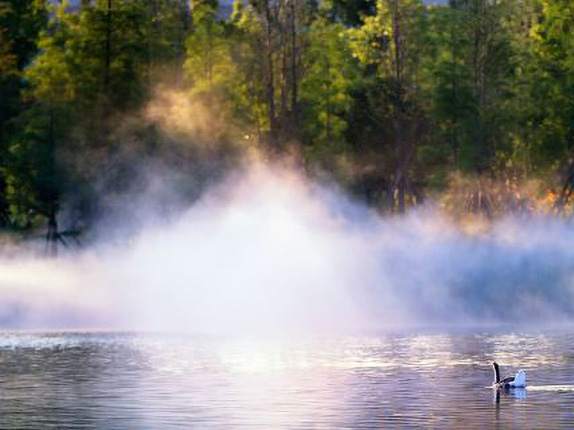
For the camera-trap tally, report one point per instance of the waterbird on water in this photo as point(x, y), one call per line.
point(518, 381)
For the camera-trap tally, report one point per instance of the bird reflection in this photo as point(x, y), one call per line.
point(517, 393)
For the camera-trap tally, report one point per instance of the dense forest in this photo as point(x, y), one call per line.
point(470, 103)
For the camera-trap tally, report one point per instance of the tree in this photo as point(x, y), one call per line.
point(387, 45)
point(553, 92)
point(330, 74)
point(20, 24)
point(93, 69)
point(277, 31)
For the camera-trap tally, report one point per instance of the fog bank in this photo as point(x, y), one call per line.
point(269, 251)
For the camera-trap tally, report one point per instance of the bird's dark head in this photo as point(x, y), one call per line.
point(496, 372)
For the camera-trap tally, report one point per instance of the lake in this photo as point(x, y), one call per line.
point(104, 380)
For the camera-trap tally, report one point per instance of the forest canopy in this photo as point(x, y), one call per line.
point(469, 102)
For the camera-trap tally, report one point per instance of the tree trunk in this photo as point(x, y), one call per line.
point(294, 70)
point(52, 235)
point(108, 51)
point(478, 58)
point(399, 120)
point(454, 121)
point(269, 75)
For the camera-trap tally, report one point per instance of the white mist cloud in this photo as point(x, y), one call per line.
point(263, 255)
point(267, 251)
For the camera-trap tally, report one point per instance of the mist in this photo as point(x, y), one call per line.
point(269, 251)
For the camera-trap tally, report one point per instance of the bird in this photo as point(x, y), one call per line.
point(518, 381)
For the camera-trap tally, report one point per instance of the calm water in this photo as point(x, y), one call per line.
point(104, 380)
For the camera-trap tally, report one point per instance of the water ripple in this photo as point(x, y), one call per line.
point(121, 380)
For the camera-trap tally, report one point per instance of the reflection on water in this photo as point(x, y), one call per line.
point(107, 380)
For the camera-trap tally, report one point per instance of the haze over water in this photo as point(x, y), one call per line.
point(270, 252)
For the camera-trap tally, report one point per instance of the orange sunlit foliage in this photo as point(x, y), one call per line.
point(479, 200)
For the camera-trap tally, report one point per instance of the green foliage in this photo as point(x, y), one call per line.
point(554, 87)
point(209, 63)
point(399, 92)
point(34, 183)
point(330, 75)
point(20, 24)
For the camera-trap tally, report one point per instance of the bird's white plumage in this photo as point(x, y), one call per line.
point(519, 380)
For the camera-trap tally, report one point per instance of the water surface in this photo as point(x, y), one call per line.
point(119, 380)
